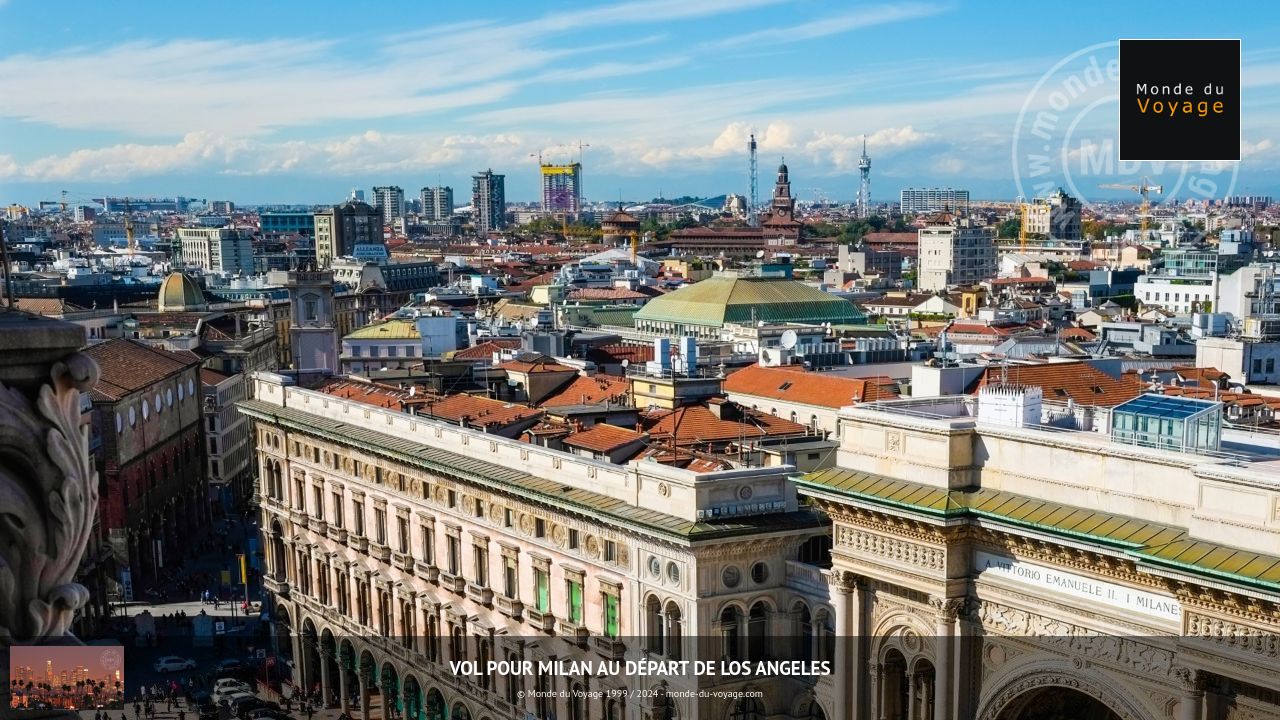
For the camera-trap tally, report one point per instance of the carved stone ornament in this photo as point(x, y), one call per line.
point(48, 484)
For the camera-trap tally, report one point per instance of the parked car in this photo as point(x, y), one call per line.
point(173, 663)
point(230, 695)
point(229, 682)
point(241, 708)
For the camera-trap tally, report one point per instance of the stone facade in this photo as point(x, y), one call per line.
point(960, 606)
point(396, 544)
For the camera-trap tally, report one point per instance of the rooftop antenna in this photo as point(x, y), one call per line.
point(754, 202)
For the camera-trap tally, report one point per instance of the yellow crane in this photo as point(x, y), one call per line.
point(1144, 211)
point(1022, 227)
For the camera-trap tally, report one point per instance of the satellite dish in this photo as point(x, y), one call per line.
point(626, 363)
point(759, 253)
point(789, 339)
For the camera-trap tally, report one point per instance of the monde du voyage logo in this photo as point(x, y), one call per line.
point(1180, 100)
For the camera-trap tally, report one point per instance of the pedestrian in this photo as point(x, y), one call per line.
point(311, 711)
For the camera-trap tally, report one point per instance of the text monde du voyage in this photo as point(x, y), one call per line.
point(1180, 99)
point(664, 668)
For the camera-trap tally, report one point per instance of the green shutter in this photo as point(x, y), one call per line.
point(611, 615)
point(575, 603)
point(544, 592)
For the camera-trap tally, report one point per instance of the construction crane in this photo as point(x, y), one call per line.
point(1144, 211)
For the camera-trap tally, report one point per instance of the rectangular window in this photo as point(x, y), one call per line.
point(611, 615)
point(1257, 365)
point(1271, 365)
point(402, 526)
point(453, 499)
point(539, 528)
point(479, 508)
point(573, 539)
point(455, 555)
point(542, 579)
point(428, 545)
point(481, 565)
point(380, 525)
point(337, 510)
point(511, 577)
point(573, 589)
point(317, 493)
point(357, 517)
point(610, 551)
point(507, 519)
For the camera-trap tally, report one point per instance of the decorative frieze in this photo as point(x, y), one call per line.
point(891, 548)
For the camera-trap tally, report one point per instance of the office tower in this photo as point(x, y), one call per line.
point(562, 188)
point(489, 201)
point(956, 251)
point(340, 229)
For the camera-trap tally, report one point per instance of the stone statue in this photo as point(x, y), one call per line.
point(48, 484)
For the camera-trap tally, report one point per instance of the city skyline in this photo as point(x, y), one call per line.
point(279, 107)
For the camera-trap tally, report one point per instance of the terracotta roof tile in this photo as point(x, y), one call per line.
point(543, 364)
point(698, 425)
point(604, 438)
point(486, 349)
point(478, 412)
point(128, 366)
point(365, 392)
point(808, 388)
point(583, 390)
point(1078, 381)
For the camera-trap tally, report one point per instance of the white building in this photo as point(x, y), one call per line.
point(391, 344)
point(925, 200)
point(956, 251)
point(218, 249)
point(389, 200)
point(437, 203)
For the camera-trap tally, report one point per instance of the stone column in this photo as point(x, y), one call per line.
point(42, 375)
point(841, 589)
point(946, 609)
point(877, 690)
point(913, 696)
point(344, 692)
point(299, 657)
point(1191, 704)
point(364, 694)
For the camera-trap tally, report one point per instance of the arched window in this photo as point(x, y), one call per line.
point(655, 622)
point(826, 631)
point(746, 709)
point(731, 633)
point(675, 631)
point(664, 708)
point(577, 709)
point(460, 712)
point(794, 417)
point(758, 631)
point(802, 631)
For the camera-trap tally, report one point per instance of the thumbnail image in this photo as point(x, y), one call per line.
point(70, 678)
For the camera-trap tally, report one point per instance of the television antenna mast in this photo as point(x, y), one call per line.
point(753, 203)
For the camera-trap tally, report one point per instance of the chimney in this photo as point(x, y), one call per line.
point(1010, 405)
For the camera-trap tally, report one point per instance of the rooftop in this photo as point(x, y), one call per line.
point(730, 298)
point(128, 366)
point(808, 388)
point(390, 329)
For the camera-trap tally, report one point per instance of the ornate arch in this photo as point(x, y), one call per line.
point(905, 632)
point(1019, 682)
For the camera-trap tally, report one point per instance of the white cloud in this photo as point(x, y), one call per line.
point(858, 19)
point(230, 87)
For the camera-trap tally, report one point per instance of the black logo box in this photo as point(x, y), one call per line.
point(1180, 66)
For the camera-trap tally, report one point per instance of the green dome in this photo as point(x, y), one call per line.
point(731, 299)
point(179, 293)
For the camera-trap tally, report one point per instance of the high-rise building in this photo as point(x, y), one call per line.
point(389, 200)
point(924, 200)
point(226, 250)
point(437, 203)
point(562, 188)
point(1055, 218)
point(955, 250)
point(222, 207)
point(489, 201)
point(340, 229)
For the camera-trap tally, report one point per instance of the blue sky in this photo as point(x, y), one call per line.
point(301, 101)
